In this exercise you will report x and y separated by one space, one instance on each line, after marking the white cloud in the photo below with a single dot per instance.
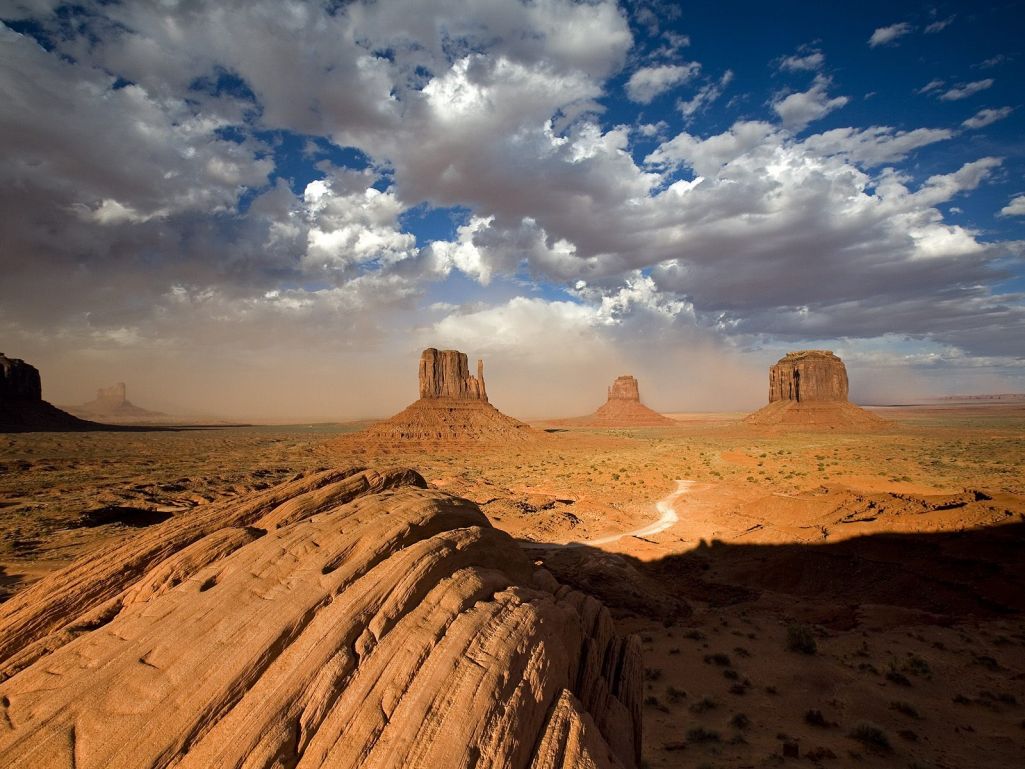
796 110
933 85
985 117
705 96
939 25
887 35
1015 208
648 82
874 146
964 90
803 61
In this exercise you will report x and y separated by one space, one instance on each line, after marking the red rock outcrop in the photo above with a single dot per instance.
808 388
348 618
22 408
446 374
808 375
624 408
453 408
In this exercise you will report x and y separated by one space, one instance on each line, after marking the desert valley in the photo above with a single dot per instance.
813 582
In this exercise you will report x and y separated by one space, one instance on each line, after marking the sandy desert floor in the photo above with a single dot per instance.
828 597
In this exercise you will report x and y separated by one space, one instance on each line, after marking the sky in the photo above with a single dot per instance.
265 209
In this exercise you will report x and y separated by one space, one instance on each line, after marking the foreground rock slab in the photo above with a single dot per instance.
348 618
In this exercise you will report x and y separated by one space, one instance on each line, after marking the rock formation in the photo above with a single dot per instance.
453 408
808 375
22 408
624 408
445 374
808 388
347 618
112 404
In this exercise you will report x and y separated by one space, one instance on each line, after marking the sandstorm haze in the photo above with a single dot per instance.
265 210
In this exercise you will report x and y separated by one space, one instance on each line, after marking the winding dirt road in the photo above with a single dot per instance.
667 519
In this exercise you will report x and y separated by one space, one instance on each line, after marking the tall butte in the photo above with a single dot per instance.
453 407
112 404
624 408
808 388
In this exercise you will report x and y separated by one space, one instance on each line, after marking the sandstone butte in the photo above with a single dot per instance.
22 407
624 408
453 408
346 618
808 389
112 403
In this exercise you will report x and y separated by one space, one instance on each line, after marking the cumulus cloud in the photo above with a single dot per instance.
985 117
648 82
1015 208
964 90
887 35
796 110
933 85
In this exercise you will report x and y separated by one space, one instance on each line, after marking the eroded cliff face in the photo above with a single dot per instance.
22 407
348 618
446 374
625 389
19 381
808 376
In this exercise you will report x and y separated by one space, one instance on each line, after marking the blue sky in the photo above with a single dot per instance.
197 193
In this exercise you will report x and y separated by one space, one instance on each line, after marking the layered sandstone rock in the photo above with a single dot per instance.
453 408
625 389
624 408
22 407
808 388
808 375
348 618
446 374
112 404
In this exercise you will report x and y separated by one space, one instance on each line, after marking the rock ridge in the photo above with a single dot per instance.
347 618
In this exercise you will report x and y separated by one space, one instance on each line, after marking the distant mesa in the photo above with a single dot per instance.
22 408
112 404
808 388
453 407
624 408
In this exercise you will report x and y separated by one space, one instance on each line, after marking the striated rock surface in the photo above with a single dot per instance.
446 374
111 403
22 407
349 618
808 376
624 408
808 388
453 408
625 389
